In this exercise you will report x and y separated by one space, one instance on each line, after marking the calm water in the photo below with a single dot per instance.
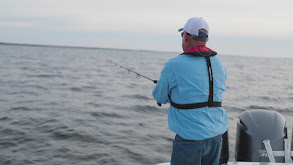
71 106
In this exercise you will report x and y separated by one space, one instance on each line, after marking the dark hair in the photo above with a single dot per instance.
200 31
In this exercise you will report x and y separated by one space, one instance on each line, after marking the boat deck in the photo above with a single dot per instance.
245 163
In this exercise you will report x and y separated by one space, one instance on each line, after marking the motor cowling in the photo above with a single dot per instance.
253 128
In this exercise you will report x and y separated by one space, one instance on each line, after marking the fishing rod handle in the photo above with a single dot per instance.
155 81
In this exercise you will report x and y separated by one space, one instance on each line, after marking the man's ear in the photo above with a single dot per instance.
186 37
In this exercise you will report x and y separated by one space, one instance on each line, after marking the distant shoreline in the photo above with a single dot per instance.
118 49
78 47
41 45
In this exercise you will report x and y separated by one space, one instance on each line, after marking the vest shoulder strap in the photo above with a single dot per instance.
210 102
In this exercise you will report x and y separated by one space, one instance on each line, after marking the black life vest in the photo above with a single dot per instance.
210 102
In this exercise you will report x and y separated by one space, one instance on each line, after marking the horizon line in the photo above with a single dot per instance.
78 47
141 50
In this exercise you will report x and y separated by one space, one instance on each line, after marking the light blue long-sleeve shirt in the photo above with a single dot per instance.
185 80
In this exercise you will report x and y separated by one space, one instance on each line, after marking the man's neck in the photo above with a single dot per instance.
199 43
199 48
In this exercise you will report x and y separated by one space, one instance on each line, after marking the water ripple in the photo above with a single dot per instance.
69 106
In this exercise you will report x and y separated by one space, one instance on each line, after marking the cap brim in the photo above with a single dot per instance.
181 29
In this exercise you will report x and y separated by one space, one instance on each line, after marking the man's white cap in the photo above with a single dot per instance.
194 24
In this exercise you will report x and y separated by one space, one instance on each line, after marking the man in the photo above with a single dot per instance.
193 83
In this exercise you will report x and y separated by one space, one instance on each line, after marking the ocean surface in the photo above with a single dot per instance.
62 105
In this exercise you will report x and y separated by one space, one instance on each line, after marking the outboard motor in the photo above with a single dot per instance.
254 127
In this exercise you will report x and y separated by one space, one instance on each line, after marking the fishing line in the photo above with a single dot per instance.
138 75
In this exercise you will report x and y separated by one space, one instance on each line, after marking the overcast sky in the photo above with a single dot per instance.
237 27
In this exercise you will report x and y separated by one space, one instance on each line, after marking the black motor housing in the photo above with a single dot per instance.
254 127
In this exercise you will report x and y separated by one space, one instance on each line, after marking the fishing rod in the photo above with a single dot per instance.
138 75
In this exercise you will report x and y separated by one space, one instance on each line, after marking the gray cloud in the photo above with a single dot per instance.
85 22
